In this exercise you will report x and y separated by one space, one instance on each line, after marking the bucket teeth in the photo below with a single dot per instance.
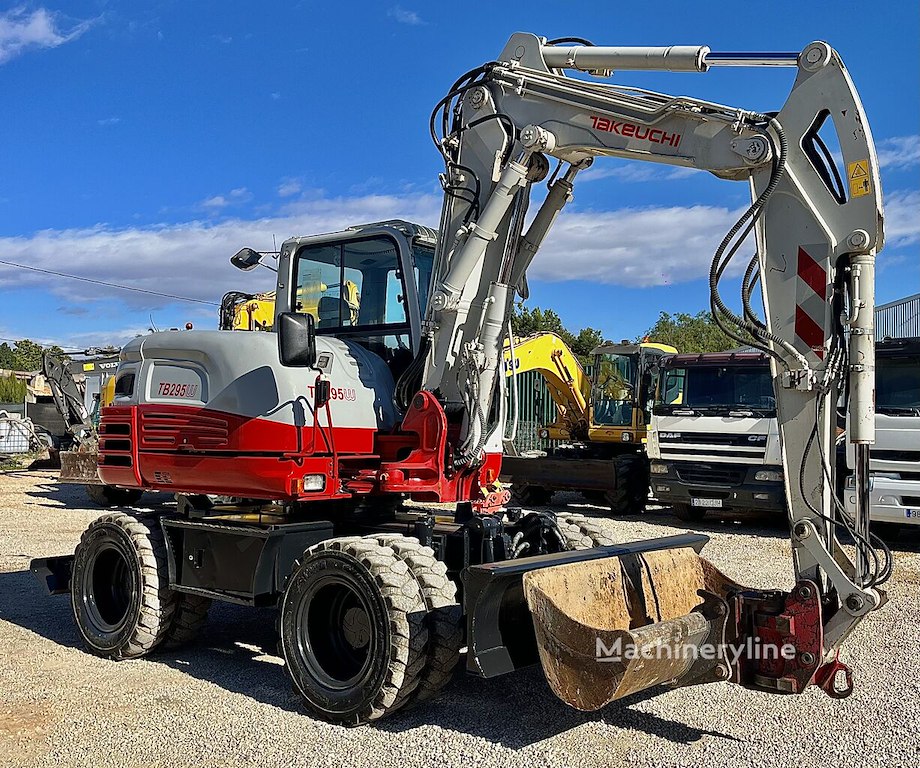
80 467
611 627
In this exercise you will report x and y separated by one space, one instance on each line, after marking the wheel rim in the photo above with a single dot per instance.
335 640
108 587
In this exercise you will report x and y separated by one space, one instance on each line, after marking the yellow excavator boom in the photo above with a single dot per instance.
569 385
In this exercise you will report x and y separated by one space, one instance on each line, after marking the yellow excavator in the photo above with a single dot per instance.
241 311
603 419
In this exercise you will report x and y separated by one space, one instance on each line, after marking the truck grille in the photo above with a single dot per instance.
715 438
912 456
711 474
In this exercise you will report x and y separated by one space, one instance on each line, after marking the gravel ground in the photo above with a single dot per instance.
226 701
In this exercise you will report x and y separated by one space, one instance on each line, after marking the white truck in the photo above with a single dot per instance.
714 440
894 464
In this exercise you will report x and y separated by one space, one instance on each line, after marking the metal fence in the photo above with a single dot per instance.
535 410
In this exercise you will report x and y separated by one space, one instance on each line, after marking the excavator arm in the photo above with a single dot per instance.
568 385
816 232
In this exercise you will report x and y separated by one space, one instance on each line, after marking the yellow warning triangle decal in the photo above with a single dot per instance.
858 170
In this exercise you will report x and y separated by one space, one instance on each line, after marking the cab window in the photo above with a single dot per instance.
356 290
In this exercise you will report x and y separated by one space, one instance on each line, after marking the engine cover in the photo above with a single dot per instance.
215 412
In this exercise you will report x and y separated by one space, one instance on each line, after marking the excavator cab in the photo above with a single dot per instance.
367 285
621 387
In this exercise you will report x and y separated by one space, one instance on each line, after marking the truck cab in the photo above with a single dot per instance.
894 460
714 440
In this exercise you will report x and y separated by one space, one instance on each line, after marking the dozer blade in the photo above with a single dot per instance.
80 467
610 627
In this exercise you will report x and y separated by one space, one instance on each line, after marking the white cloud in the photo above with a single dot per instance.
635 247
233 197
289 188
109 121
216 202
189 259
404 16
898 152
21 30
902 218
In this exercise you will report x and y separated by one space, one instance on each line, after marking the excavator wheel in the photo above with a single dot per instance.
189 617
122 604
631 485
641 483
531 495
110 496
584 533
445 616
353 630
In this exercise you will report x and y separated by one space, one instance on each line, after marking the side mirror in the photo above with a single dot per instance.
296 340
246 259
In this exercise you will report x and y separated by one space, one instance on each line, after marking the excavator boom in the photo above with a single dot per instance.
569 386
816 232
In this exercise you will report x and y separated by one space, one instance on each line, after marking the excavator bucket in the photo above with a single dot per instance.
610 627
603 622
80 467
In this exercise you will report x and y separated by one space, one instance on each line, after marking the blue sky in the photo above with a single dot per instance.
144 143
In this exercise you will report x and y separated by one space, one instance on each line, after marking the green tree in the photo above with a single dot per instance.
585 341
690 333
7 356
12 390
26 355
527 321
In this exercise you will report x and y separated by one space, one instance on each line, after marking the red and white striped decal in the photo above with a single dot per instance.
810 305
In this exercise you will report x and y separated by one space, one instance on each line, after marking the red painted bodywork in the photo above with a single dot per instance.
193 449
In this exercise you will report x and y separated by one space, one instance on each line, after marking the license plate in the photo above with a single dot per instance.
708 503
913 514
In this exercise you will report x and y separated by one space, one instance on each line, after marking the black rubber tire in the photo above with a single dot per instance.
121 601
584 532
110 496
574 537
531 495
361 661
640 483
631 479
689 514
189 617
445 615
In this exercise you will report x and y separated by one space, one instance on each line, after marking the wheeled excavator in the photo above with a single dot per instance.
601 418
333 416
